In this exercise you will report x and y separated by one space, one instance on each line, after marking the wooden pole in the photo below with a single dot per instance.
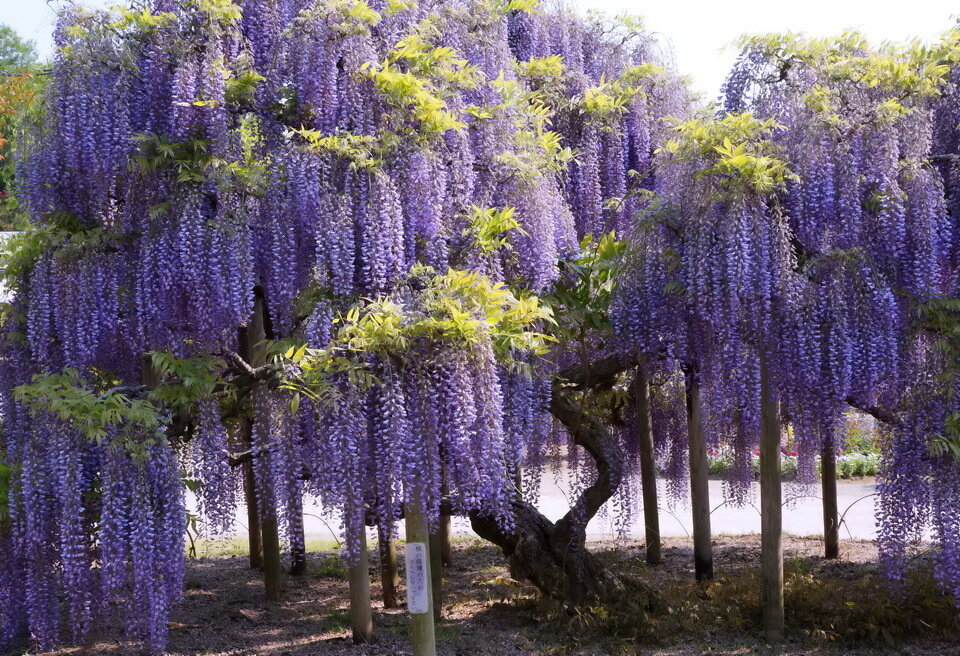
699 480
298 547
361 613
419 593
250 496
249 483
771 520
648 470
272 567
831 515
436 574
256 333
446 548
389 572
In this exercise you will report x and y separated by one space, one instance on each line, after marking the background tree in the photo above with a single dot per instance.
18 85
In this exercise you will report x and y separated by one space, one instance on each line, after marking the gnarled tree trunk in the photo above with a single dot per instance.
553 555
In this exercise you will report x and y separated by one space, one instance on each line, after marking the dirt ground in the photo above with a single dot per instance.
487 614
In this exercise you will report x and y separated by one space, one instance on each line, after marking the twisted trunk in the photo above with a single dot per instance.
553 555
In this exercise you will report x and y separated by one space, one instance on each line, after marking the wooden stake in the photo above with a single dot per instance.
389 572
436 574
253 513
419 593
648 470
272 568
446 548
771 520
298 553
831 515
699 481
361 612
255 334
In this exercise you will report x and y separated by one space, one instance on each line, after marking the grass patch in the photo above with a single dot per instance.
331 567
843 603
239 546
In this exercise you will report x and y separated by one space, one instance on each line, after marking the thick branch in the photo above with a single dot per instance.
881 414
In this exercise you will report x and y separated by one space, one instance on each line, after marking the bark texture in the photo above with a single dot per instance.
553 555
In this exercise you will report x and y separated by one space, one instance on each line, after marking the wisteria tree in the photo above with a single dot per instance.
306 239
869 133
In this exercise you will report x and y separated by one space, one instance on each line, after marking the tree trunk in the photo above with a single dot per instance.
831 515
419 594
648 470
699 480
361 612
389 573
771 509
553 556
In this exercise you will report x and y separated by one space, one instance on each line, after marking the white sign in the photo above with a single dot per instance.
418 601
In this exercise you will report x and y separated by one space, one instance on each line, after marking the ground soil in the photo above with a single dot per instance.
487 614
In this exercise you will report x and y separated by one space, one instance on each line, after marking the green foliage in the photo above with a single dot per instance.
362 152
18 88
536 150
6 474
581 297
223 12
734 149
505 7
185 381
490 227
71 398
61 232
242 87
16 53
611 98
141 20
459 309
414 80
191 160
941 317
898 75
331 567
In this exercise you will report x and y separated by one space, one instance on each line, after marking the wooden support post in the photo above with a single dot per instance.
436 574
254 353
298 546
272 567
361 613
419 593
831 514
699 481
648 470
253 512
389 572
249 482
446 547
771 509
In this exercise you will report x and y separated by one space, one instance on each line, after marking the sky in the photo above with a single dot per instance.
699 33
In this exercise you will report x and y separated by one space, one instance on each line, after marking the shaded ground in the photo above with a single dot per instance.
836 607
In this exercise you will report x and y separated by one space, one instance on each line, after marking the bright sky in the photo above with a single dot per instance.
700 31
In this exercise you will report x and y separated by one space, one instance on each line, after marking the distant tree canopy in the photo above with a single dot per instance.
18 84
